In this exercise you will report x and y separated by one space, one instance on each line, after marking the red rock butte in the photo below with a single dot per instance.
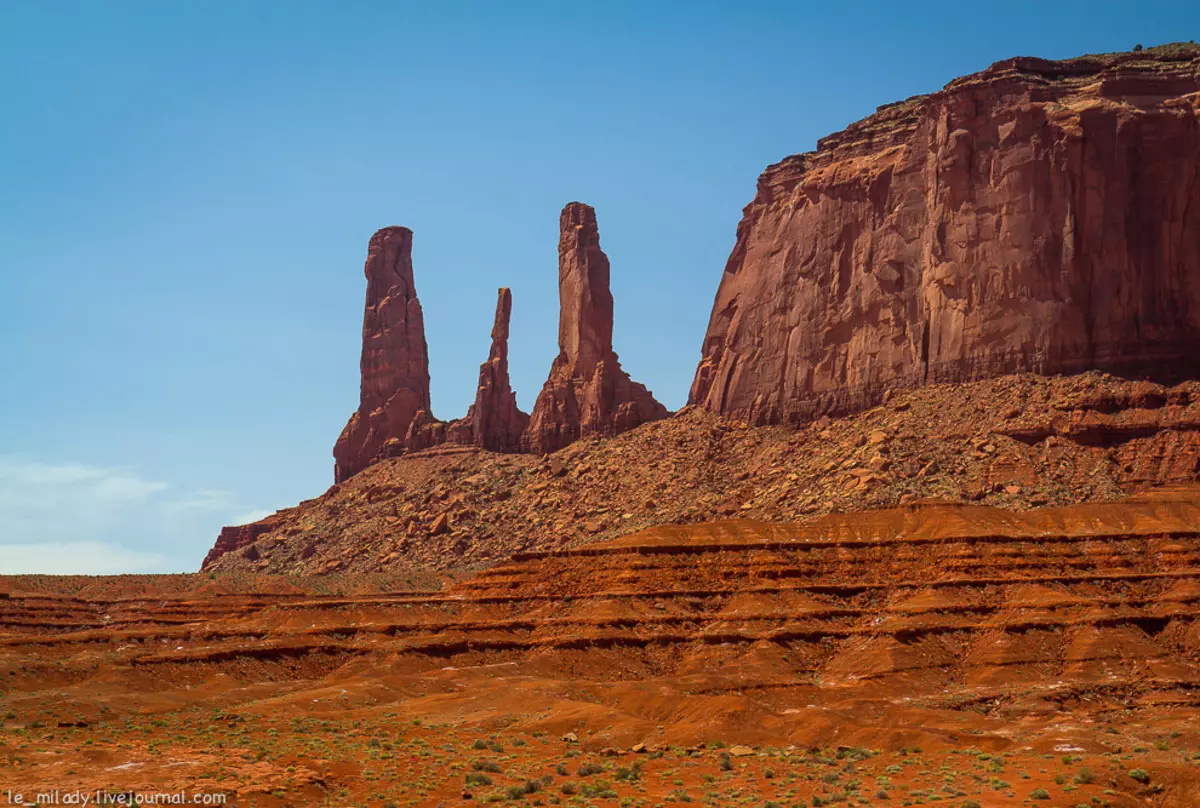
1038 216
984 591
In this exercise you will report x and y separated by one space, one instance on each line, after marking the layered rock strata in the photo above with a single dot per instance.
1038 216
235 537
938 602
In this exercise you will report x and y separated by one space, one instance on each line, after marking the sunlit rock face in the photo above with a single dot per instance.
1037 216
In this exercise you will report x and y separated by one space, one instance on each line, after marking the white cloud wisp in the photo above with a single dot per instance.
71 518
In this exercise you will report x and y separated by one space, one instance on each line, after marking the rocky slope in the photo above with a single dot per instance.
1038 216
1015 441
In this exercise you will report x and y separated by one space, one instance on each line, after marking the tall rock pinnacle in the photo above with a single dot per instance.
585 320
496 422
395 359
587 392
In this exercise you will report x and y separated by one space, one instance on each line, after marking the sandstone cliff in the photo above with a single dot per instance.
587 392
1039 216
395 359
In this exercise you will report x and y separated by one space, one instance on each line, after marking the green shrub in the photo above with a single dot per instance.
630 774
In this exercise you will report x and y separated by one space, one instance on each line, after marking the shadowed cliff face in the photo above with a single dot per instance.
395 359
1038 216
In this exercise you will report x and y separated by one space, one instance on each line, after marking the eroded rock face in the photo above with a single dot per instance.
239 536
395 358
587 392
496 421
1038 216
426 431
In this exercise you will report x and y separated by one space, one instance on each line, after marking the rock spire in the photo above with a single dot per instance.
496 422
587 392
395 358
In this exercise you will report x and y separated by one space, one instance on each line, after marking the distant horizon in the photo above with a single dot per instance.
191 191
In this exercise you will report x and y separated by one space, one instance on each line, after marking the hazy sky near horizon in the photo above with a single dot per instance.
187 190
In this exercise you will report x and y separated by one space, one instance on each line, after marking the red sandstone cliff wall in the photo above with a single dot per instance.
1040 216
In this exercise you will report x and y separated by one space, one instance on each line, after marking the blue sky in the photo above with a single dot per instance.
187 190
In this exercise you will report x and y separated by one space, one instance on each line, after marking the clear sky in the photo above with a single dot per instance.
187 190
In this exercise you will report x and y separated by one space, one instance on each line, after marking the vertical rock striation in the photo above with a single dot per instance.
587 392
395 358
1038 216
496 422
